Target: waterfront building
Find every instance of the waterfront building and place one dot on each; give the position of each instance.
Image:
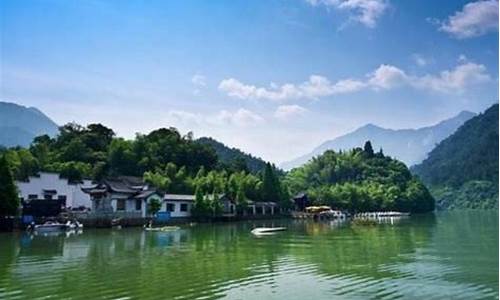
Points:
(47, 186)
(124, 196)
(130, 197)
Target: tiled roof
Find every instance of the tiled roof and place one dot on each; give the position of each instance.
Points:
(119, 186)
(145, 194)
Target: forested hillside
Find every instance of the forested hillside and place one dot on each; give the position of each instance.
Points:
(164, 158)
(462, 170)
(232, 156)
(361, 180)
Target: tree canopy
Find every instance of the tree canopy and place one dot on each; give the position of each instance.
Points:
(462, 170)
(9, 201)
(360, 180)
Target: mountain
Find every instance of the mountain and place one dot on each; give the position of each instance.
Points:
(20, 124)
(462, 171)
(407, 145)
(229, 155)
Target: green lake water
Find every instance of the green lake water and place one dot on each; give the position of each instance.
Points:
(449, 255)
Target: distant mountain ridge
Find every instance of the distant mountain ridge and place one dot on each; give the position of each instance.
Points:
(462, 171)
(20, 124)
(408, 145)
(229, 155)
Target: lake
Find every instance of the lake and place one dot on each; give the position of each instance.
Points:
(438, 256)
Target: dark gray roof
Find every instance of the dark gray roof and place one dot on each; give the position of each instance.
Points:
(145, 194)
(119, 186)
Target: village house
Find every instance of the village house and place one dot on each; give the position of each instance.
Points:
(121, 197)
(130, 197)
(50, 186)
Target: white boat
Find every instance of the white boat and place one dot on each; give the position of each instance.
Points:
(164, 228)
(267, 230)
(51, 226)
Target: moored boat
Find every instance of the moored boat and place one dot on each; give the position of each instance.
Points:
(267, 230)
(164, 228)
(50, 226)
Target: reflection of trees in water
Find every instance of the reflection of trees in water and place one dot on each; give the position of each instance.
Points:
(460, 236)
(8, 252)
(205, 259)
(360, 250)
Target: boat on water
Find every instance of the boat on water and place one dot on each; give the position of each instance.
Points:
(50, 226)
(267, 230)
(163, 229)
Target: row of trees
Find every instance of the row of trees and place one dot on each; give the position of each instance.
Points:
(168, 161)
(209, 185)
(357, 180)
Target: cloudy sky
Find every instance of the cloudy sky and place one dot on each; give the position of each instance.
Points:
(274, 78)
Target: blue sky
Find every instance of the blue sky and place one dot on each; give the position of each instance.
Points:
(274, 78)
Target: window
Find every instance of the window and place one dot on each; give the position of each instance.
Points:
(47, 197)
(32, 196)
(184, 207)
(170, 206)
(138, 204)
(120, 204)
(62, 198)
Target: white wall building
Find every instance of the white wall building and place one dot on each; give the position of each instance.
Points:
(50, 186)
(179, 206)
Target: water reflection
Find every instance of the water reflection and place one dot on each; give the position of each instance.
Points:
(420, 257)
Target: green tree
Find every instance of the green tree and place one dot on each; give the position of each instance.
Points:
(369, 149)
(270, 185)
(154, 206)
(9, 201)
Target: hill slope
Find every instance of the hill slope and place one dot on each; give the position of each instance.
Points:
(408, 145)
(359, 180)
(20, 124)
(462, 171)
(229, 155)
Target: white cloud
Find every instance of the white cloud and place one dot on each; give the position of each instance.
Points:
(241, 118)
(314, 88)
(366, 12)
(199, 80)
(385, 77)
(420, 60)
(184, 117)
(456, 80)
(285, 112)
(475, 19)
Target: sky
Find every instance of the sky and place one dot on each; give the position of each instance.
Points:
(274, 78)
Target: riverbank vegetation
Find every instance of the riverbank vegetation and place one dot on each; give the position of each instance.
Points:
(361, 180)
(355, 180)
(164, 158)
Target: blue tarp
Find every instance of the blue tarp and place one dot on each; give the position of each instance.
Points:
(163, 216)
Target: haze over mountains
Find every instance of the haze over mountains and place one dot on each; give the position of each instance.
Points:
(408, 145)
(462, 171)
(20, 124)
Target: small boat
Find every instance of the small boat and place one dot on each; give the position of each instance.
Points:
(75, 225)
(164, 228)
(51, 226)
(267, 230)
